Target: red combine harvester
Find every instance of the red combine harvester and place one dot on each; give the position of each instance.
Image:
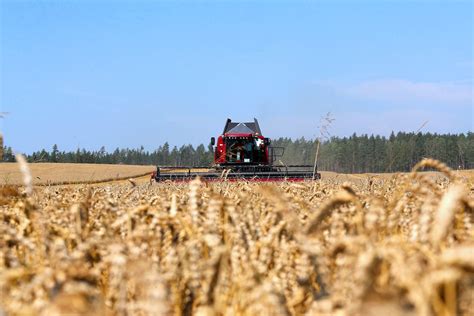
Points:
(241, 153)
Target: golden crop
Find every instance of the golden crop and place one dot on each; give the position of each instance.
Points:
(71, 173)
(378, 246)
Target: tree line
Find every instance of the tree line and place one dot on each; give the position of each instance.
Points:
(354, 154)
(398, 152)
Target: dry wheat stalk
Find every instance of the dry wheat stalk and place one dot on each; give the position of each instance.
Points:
(25, 171)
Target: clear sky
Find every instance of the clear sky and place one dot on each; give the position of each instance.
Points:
(131, 73)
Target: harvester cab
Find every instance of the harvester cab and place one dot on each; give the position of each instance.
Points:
(241, 152)
(242, 145)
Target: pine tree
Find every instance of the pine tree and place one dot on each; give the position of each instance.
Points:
(54, 153)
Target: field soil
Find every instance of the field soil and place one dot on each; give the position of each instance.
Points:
(57, 173)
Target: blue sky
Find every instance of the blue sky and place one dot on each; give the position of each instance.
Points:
(125, 74)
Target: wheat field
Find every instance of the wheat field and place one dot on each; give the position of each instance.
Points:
(70, 173)
(363, 245)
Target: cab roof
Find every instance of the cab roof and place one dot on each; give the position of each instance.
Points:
(242, 127)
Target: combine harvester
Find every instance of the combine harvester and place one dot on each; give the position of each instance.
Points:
(241, 153)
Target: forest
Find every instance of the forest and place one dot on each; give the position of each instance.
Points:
(354, 154)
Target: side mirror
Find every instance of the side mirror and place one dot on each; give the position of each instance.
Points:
(266, 141)
(213, 141)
